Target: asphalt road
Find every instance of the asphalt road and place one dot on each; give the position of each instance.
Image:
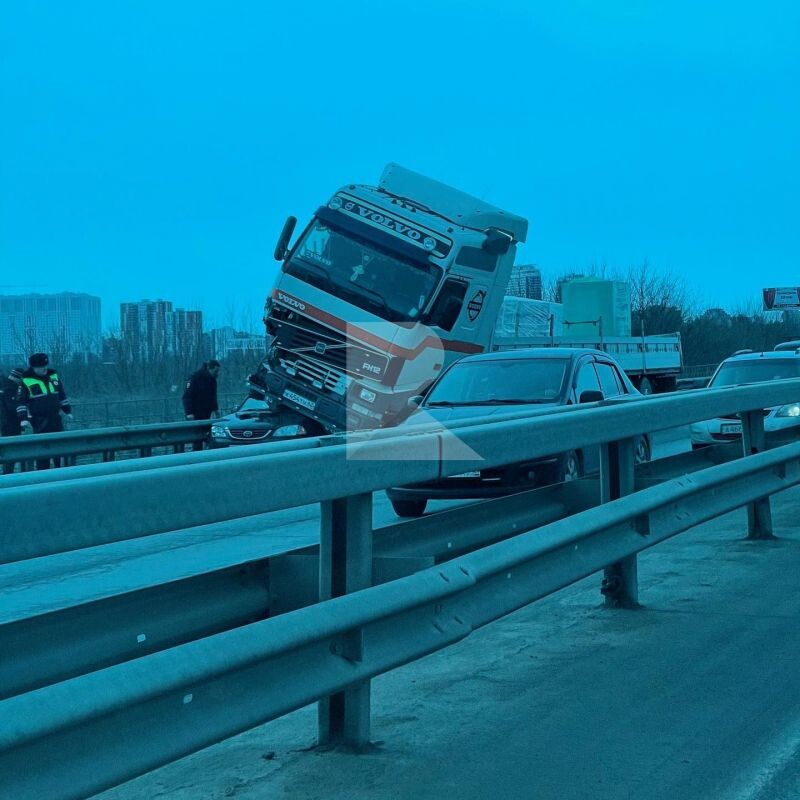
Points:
(696, 696)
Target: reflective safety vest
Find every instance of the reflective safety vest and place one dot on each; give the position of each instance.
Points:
(42, 396)
(38, 386)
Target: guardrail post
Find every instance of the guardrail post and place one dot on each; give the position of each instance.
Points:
(345, 565)
(759, 513)
(621, 580)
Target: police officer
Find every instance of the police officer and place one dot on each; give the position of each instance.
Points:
(9, 422)
(200, 397)
(41, 400)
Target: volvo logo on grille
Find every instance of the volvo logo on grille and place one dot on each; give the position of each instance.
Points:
(319, 348)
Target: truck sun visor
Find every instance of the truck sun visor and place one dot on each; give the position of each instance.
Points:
(387, 241)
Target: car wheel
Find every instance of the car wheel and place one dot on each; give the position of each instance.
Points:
(641, 450)
(409, 508)
(570, 467)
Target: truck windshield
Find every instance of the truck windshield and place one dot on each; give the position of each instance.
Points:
(756, 370)
(501, 382)
(363, 273)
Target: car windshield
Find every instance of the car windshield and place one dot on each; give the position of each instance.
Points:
(754, 370)
(363, 273)
(498, 382)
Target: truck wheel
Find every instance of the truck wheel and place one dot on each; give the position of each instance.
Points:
(645, 386)
(409, 508)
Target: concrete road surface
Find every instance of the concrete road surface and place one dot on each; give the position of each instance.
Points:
(694, 697)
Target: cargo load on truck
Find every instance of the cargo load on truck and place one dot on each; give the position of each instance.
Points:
(596, 314)
(522, 316)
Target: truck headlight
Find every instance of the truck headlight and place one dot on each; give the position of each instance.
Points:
(219, 432)
(792, 410)
(367, 395)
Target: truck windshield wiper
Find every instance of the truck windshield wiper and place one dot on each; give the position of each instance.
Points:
(325, 274)
(379, 301)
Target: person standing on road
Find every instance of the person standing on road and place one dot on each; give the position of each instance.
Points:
(200, 397)
(41, 400)
(9, 421)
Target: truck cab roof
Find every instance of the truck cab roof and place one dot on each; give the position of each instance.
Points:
(459, 207)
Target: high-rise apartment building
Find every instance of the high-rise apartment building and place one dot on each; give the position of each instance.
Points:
(525, 281)
(152, 329)
(65, 325)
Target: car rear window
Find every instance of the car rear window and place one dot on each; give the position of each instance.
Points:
(523, 380)
(733, 373)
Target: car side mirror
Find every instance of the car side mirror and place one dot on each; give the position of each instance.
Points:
(283, 240)
(415, 401)
(591, 396)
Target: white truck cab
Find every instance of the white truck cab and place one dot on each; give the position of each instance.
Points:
(383, 289)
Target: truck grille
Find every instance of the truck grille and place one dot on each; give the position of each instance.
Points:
(300, 336)
(312, 372)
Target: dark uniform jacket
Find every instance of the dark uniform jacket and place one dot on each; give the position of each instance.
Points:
(200, 397)
(9, 422)
(40, 399)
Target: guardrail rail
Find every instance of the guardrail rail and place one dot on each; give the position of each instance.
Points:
(89, 702)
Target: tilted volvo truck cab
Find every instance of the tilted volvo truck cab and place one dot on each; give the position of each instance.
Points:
(382, 290)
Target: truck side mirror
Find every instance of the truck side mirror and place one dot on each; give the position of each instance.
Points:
(591, 396)
(283, 240)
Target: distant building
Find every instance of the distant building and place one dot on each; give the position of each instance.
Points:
(525, 281)
(184, 332)
(151, 330)
(64, 325)
(227, 341)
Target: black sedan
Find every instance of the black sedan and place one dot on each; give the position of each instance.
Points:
(534, 380)
(254, 422)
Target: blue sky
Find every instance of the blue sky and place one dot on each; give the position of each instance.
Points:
(154, 149)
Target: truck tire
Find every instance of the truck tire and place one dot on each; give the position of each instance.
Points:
(409, 508)
(645, 386)
(641, 450)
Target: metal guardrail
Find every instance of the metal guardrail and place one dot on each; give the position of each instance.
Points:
(70, 445)
(139, 411)
(78, 736)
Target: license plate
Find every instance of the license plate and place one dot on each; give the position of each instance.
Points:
(299, 399)
(467, 475)
(731, 428)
